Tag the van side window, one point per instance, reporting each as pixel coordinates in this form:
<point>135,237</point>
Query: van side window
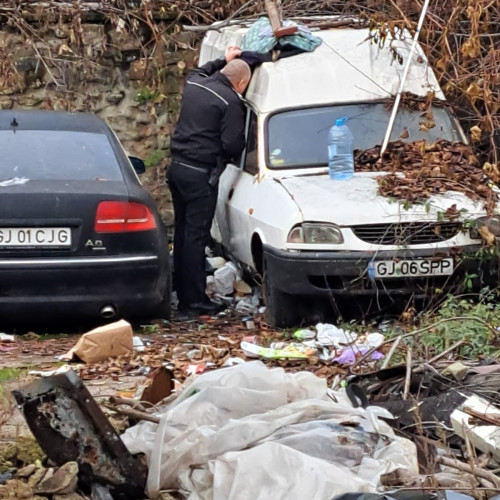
<point>251,150</point>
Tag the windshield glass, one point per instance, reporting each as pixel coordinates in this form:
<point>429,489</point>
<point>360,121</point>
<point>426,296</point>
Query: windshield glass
<point>57,155</point>
<point>298,138</point>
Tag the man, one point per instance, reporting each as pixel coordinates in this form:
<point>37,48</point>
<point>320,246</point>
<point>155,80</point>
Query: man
<point>210,132</point>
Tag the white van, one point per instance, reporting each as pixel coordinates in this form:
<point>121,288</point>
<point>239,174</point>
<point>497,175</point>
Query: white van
<point>280,215</point>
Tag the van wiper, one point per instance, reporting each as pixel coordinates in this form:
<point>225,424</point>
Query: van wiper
<point>311,174</point>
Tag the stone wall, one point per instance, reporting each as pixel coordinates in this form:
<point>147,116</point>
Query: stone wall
<point>122,75</point>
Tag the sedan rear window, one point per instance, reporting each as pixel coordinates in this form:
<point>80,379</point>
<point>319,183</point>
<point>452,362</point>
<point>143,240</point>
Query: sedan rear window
<point>298,138</point>
<point>57,155</point>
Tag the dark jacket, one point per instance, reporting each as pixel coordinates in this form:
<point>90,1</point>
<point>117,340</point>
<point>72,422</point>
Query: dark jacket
<point>212,119</point>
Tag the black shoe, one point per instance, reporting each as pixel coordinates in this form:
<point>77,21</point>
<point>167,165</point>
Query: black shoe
<point>206,307</point>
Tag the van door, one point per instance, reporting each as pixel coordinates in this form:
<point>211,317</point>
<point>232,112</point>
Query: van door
<point>240,223</point>
<point>220,227</point>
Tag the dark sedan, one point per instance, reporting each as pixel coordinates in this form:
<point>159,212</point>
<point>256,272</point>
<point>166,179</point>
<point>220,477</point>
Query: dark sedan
<point>79,236</point>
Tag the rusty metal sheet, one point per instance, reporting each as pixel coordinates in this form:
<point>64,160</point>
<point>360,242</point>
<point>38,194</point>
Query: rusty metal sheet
<point>69,426</point>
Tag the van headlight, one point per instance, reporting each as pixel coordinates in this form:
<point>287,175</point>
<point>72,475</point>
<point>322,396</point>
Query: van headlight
<point>319,234</point>
<point>492,223</point>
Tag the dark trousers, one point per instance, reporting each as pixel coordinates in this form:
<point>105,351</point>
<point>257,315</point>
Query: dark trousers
<point>194,208</point>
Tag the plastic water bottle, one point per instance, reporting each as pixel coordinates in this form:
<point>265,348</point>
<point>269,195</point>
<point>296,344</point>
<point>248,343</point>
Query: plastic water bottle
<point>340,157</point>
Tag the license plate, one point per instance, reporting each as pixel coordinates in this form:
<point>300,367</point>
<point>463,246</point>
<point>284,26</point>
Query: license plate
<point>37,237</point>
<point>403,268</point>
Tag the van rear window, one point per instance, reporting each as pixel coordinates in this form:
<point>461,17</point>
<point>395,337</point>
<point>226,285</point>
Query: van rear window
<point>298,138</point>
<point>57,155</point>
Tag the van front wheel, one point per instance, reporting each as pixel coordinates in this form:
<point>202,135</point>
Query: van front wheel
<point>281,308</point>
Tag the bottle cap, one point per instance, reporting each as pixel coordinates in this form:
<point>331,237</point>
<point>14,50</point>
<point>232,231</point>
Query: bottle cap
<point>341,121</point>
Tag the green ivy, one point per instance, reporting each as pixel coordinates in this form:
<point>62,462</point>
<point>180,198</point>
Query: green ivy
<point>154,158</point>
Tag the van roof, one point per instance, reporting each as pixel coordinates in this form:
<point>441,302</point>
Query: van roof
<point>346,67</point>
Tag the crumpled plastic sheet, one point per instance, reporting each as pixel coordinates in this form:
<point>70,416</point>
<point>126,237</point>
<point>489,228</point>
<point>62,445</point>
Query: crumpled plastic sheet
<point>409,495</point>
<point>252,432</point>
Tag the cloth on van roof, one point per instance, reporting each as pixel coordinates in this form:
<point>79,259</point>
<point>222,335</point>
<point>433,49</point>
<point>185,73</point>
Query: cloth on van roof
<point>260,38</point>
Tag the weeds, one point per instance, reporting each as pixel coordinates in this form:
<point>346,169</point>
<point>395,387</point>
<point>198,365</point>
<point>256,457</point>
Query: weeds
<point>480,339</point>
<point>154,158</point>
<point>9,374</point>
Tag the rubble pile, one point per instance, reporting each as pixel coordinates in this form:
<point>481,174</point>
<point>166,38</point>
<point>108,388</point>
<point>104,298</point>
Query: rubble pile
<point>420,169</point>
<point>41,483</point>
<point>218,400</point>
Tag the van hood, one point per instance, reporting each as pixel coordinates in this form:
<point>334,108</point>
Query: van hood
<point>355,201</point>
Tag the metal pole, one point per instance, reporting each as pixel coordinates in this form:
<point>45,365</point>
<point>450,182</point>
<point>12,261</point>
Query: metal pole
<point>405,74</point>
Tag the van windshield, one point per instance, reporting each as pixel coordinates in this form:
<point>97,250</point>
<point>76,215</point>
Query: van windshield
<point>298,138</point>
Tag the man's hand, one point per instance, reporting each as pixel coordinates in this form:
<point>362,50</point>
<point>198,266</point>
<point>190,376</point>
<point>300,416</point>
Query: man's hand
<point>232,52</point>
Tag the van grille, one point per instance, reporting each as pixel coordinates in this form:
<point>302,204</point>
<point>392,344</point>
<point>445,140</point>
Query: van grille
<point>409,233</point>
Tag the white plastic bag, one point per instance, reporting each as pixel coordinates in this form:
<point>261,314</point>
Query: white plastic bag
<point>224,279</point>
<point>330,335</point>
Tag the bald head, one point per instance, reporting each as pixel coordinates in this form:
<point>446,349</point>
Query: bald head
<point>238,73</point>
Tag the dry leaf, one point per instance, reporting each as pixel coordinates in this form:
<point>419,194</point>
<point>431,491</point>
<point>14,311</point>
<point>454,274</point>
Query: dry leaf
<point>475,133</point>
<point>473,91</point>
<point>491,170</point>
<point>487,236</point>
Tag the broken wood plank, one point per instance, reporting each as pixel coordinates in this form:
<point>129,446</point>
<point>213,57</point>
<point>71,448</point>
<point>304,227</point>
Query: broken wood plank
<point>276,23</point>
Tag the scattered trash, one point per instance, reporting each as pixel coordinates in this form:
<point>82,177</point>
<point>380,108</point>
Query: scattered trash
<point>457,370</point>
<point>233,362</point>
<point>224,279</point>
<point>350,355</point>
<point>215,263</point>
<point>210,287</point>
<point>138,344</point>
<point>278,351</point>
<point>100,492</point>
<point>244,306</point>
<point>478,421</point>
<point>305,334</point>
<point>158,387</point>
<point>5,337</point>
<point>330,335</point>
<point>372,340</point>
<point>50,373</point>
<point>260,419</point>
<point>241,288</point>
<point>196,369</point>
<point>103,342</point>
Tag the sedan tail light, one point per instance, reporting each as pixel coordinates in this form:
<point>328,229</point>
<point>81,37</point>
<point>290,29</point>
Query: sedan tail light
<point>123,216</point>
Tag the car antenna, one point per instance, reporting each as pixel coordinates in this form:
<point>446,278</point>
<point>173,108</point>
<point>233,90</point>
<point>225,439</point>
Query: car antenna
<point>14,124</point>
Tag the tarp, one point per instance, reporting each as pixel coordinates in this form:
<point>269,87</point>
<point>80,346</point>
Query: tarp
<point>260,38</point>
<point>253,432</point>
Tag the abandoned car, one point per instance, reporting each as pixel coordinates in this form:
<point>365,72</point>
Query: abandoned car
<point>79,236</point>
<point>281,217</point>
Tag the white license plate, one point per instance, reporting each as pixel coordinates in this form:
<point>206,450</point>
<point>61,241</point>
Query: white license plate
<point>35,237</point>
<point>402,268</point>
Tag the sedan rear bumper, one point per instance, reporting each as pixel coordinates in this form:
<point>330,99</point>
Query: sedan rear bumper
<point>80,287</point>
<point>346,273</point>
